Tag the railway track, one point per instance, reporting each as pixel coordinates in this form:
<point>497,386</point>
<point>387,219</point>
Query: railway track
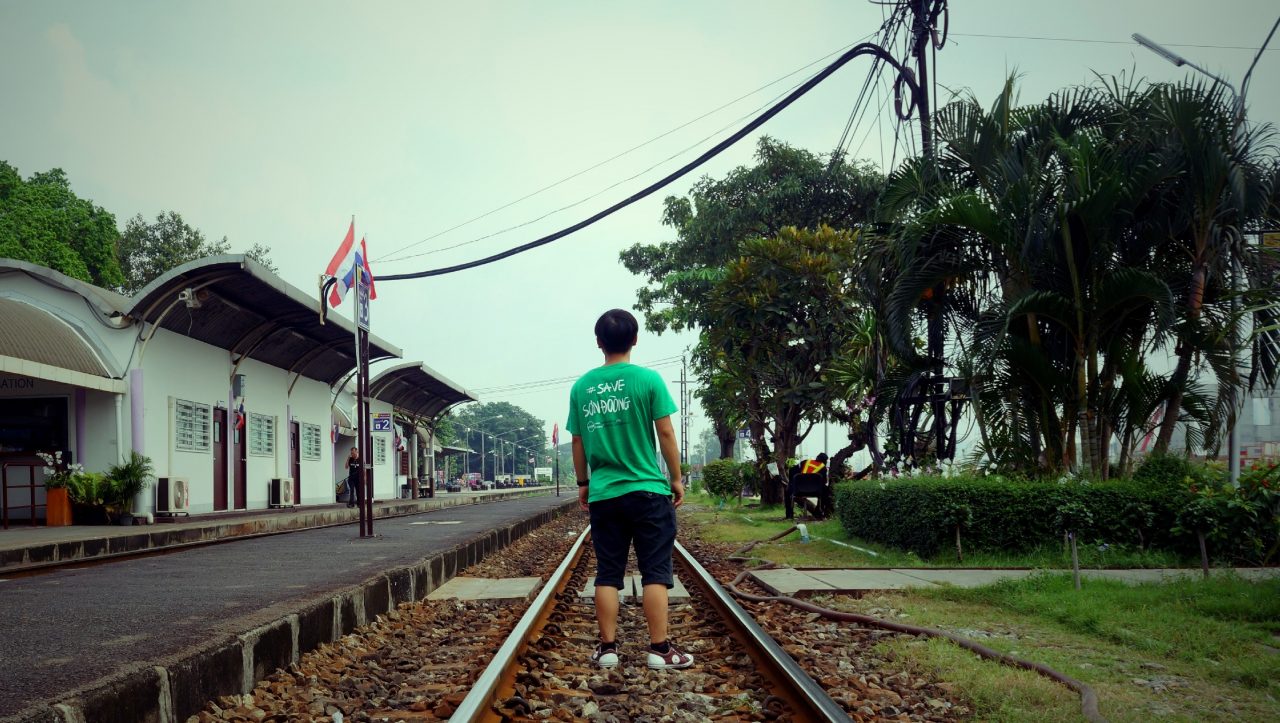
<point>421,661</point>
<point>543,670</point>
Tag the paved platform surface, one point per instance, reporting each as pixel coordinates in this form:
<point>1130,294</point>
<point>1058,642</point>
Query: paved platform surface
<point>483,588</point>
<point>789,581</point>
<point>23,547</point>
<point>69,627</point>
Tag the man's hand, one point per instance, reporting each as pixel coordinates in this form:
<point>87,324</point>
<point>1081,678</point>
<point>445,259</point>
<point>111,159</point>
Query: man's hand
<point>582,497</point>
<point>677,492</point>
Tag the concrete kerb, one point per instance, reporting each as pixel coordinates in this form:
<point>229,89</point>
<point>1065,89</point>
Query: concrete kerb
<point>177,687</point>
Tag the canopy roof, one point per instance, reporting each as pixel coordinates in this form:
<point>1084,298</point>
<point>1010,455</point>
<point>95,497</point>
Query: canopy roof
<point>36,342</point>
<point>241,306</point>
<point>414,388</point>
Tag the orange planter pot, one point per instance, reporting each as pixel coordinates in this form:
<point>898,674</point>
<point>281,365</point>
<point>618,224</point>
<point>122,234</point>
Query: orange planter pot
<point>57,507</point>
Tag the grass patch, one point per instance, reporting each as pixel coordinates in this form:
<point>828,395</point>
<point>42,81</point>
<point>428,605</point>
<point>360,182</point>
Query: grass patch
<point>1223,622</point>
<point>1184,650</point>
<point>1187,650</point>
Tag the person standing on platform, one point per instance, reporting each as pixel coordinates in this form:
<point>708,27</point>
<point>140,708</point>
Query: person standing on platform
<point>614,412</point>
<point>355,490</point>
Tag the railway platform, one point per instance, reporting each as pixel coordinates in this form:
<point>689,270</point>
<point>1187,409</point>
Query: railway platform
<point>24,548</point>
<point>153,637</point>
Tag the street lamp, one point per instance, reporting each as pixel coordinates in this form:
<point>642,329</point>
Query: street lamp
<point>513,461</point>
<point>536,435</point>
<point>1178,60</point>
<point>482,433</point>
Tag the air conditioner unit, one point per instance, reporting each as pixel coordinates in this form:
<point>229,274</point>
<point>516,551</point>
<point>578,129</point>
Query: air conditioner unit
<point>173,496</point>
<point>282,492</point>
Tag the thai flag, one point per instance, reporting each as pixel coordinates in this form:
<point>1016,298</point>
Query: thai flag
<point>240,416</point>
<point>347,280</point>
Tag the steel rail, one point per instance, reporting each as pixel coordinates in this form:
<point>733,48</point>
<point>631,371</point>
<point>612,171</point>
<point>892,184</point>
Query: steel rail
<point>808,699</point>
<point>478,703</point>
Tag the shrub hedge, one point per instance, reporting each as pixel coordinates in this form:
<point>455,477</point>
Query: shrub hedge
<point>919,513</point>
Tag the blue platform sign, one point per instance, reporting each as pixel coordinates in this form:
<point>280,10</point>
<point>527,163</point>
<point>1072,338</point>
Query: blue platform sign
<point>362,304</point>
<point>381,422</point>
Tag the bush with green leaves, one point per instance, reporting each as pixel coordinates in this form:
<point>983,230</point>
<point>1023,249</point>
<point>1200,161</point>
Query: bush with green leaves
<point>723,478</point>
<point>920,514</point>
<point>1176,471</point>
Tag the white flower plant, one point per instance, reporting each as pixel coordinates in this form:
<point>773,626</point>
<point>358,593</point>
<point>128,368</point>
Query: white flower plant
<point>58,472</point>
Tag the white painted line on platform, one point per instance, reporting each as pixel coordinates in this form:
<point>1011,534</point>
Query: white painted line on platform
<point>438,522</point>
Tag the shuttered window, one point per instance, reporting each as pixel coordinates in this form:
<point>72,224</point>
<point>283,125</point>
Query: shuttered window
<point>310,440</point>
<point>192,426</point>
<point>262,435</point>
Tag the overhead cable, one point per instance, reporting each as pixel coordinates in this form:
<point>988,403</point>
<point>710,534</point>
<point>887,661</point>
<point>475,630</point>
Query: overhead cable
<point>392,256</point>
<point>857,50</point>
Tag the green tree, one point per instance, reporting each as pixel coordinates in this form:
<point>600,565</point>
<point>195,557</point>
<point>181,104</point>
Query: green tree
<point>506,421</point>
<point>787,186</point>
<point>44,222</point>
<point>1075,238</point>
<point>148,250</point>
<point>784,309</point>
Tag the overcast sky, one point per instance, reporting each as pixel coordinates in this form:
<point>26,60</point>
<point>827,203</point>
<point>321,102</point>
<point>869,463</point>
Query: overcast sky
<point>276,122</point>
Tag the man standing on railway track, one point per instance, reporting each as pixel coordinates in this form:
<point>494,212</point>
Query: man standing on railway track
<point>614,412</point>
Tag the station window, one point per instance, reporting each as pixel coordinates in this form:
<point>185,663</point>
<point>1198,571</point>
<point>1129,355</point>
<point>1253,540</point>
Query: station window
<point>379,450</point>
<point>192,426</point>
<point>262,435</point>
<point>310,440</point>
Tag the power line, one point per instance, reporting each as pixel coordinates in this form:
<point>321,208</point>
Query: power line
<point>664,361</point>
<point>391,257</point>
<point>1098,41</point>
<point>600,192</point>
<point>856,51</point>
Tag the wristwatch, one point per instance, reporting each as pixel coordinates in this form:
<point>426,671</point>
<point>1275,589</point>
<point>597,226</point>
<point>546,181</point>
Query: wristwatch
<point>584,482</point>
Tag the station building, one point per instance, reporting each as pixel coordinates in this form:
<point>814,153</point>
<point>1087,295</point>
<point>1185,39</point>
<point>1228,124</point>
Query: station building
<point>219,371</point>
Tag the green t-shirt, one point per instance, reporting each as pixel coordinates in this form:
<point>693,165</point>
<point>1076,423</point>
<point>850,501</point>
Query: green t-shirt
<point>613,408</point>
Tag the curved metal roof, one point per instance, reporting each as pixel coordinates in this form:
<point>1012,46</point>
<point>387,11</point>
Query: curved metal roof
<point>245,308</point>
<point>34,334</point>
<point>415,388</point>
<point>108,303</point>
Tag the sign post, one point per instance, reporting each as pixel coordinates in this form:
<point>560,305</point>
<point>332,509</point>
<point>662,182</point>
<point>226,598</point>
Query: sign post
<point>365,442</point>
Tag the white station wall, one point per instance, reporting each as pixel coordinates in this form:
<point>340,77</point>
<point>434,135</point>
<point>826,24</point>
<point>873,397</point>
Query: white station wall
<point>179,368</point>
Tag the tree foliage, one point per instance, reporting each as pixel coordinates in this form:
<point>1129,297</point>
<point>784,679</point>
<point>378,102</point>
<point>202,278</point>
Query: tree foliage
<point>1076,239</point>
<point>43,221</point>
<point>784,309</point>
<point>507,422</point>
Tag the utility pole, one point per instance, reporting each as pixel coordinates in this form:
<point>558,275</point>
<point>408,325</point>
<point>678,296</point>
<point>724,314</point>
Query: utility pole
<point>921,42</point>
<point>684,411</point>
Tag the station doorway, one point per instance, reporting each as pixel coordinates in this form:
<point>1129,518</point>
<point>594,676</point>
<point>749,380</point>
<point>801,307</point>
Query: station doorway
<point>29,425</point>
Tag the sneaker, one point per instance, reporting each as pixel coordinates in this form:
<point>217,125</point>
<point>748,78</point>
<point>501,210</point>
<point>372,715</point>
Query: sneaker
<point>673,659</point>
<point>605,657</point>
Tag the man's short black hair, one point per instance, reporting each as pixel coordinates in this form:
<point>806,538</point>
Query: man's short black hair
<point>822,456</point>
<point>616,329</point>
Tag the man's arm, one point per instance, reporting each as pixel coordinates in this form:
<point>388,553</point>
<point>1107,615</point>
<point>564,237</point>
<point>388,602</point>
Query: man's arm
<point>671,454</point>
<point>580,469</point>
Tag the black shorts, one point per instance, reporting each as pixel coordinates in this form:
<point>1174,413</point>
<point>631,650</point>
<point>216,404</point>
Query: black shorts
<point>646,518</point>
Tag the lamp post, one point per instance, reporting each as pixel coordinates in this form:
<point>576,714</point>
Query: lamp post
<point>499,437</point>
<point>482,433</point>
<point>526,449</point>
<point>1233,436</point>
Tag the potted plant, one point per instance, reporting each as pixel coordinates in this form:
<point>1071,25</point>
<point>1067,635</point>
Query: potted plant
<point>126,481</point>
<point>88,492</point>
<point>57,473</point>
